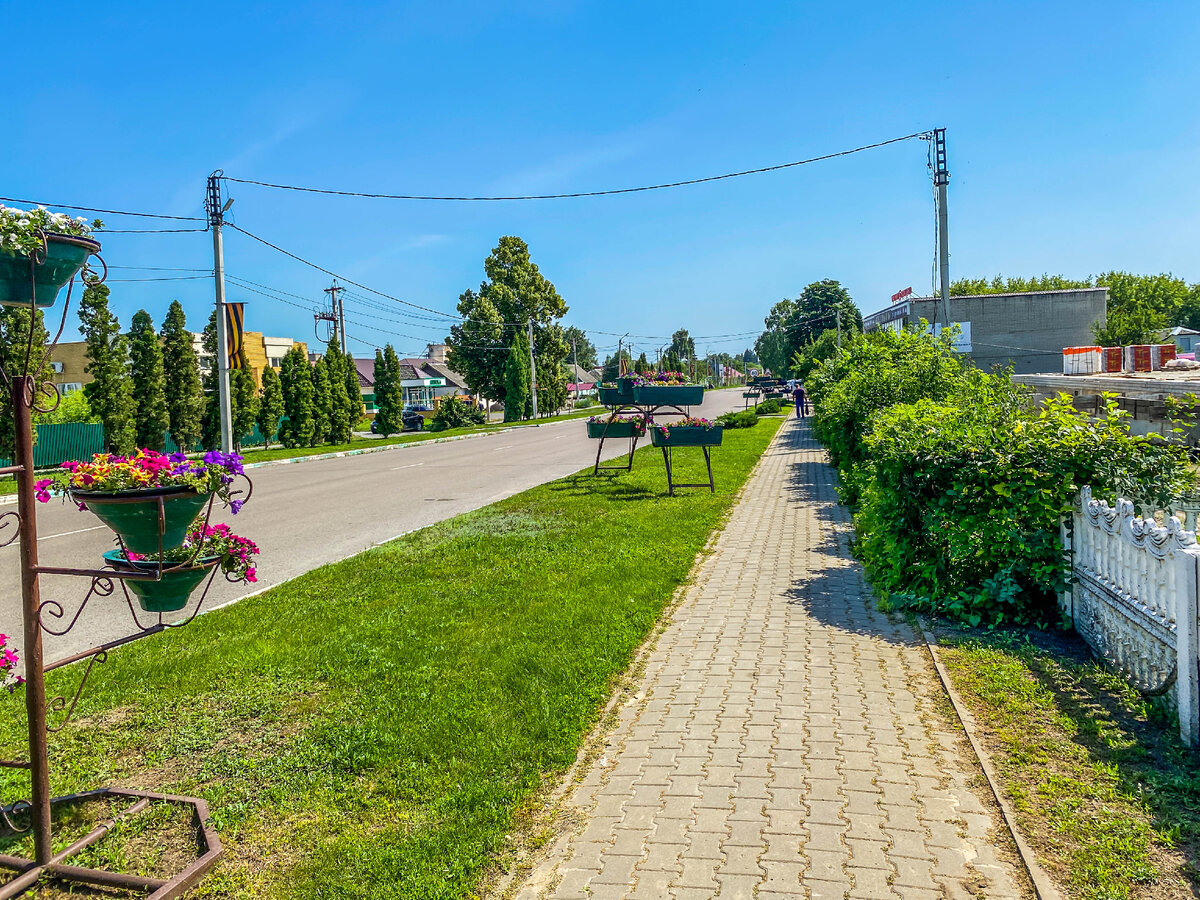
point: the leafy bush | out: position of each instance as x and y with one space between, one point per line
746 418
768 408
961 491
585 402
456 413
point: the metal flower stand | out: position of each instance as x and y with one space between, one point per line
28 395
647 413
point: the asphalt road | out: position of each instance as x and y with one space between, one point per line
306 514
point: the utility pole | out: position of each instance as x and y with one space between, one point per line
339 314
216 218
575 360
532 371
941 178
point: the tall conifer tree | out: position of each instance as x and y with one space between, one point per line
181 376
110 393
149 383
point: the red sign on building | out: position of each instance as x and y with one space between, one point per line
900 295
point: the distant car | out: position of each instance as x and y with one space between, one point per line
412 420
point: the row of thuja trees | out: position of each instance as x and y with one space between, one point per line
147 386
959 481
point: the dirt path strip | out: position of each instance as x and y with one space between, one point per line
785 739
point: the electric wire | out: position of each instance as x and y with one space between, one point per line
576 194
109 212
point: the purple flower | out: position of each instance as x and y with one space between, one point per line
235 506
178 457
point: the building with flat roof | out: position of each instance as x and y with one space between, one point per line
1025 330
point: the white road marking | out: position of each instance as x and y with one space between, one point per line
409 466
46 537
505 447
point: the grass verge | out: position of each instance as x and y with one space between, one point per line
375 727
1105 792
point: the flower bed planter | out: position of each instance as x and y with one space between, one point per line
686 436
65 256
172 591
674 395
750 395
625 383
611 396
615 429
133 515
774 395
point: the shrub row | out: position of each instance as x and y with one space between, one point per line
960 482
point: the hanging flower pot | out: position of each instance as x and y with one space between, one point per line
172 591
614 396
58 245
601 427
133 515
668 394
130 494
688 433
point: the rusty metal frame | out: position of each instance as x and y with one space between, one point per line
35 815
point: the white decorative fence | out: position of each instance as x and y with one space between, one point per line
1133 598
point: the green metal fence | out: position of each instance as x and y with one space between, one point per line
77 440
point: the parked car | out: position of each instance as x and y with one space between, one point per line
411 419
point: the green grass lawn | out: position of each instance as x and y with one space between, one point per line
375 728
1104 790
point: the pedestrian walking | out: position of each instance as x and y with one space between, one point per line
801 401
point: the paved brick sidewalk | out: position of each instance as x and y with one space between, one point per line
787 740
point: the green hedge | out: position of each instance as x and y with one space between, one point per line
960 481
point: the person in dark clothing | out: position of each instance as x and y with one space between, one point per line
801 401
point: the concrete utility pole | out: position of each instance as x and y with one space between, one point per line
532 371
216 218
575 359
339 314
941 178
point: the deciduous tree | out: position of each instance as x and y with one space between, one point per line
514 294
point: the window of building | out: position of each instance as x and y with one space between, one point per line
56 368
275 362
70 387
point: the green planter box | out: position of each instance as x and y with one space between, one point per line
172 591
615 397
686 436
625 383
65 255
615 430
751 395
774 395
676 395
133 515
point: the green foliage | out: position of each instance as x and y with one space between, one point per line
343 412
243 398
582 346
514 294
641 365
150 417
961 482
110 393
297 386
389 393
682 347
454 412
210 423
1140 307
746 418
519 402
793 324
181 379
768 408
823 347
270 405
322 402
14 339
72 408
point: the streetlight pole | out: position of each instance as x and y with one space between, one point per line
532 371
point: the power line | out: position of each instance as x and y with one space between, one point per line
164 278
110 212
330 272
604 193
151 230
161 269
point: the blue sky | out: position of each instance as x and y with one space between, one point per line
1072 132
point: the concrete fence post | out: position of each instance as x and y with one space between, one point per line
1187 652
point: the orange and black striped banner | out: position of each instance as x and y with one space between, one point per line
235 316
